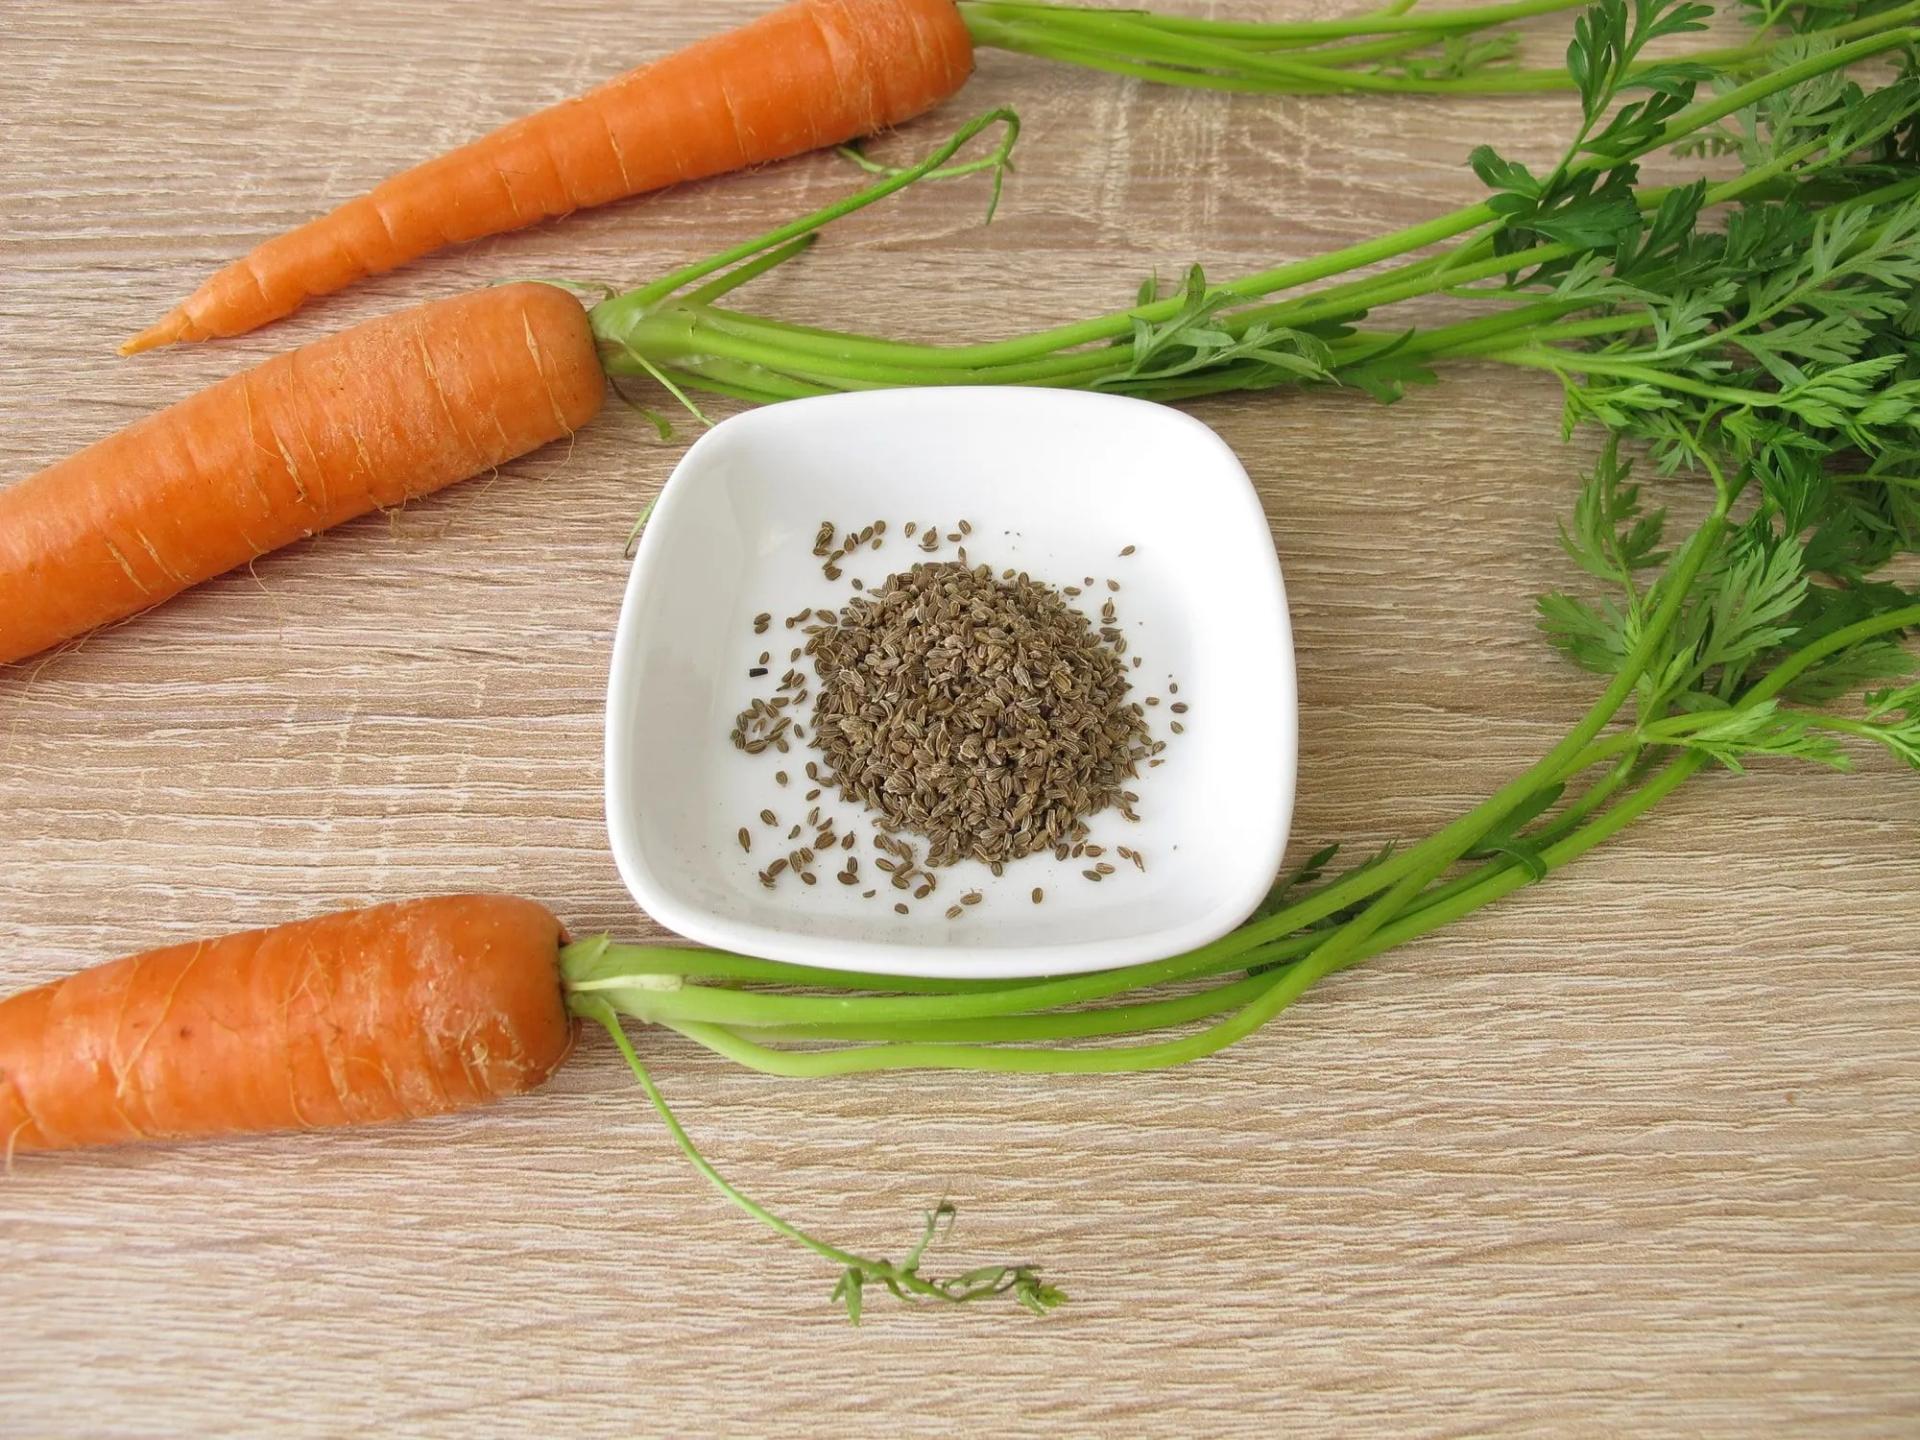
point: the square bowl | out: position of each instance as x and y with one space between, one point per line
1056 483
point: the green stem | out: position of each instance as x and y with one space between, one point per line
1205 63
1140 1016
903 1280
1791 669
1441 22
637 300
604 1014
598 958
1582 362
814 1064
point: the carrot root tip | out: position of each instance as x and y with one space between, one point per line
153 337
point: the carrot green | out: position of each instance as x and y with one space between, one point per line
1395 50
1756 334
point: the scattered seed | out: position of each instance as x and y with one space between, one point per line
923 892
900 906
845 879
1179 707
1172 689
813 794
767 817
777 866
1177 728
1139 860
912 526
779 777
1153 699
756 672
954 912
1104 868
868 894
766 880
794 833
1125 551
761 621
972 897
807 877
1093 875
1113 585
746 840
1038 894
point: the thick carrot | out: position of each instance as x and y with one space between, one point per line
812 73
356 1018
369 418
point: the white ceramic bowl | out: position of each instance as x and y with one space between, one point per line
1055 483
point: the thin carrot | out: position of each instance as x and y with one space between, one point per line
355 1018
810 74
372 417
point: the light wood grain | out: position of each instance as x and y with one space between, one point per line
1637 1151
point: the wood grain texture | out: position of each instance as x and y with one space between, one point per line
1635 1151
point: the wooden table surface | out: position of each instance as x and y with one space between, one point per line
1637 1150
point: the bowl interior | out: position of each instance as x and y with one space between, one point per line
1054 483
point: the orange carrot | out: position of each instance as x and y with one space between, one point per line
356 1018
372 417
813 73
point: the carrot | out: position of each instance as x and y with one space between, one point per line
355 1018
810 74
376 415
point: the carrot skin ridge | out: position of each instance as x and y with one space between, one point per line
367 419
808 75
361 1017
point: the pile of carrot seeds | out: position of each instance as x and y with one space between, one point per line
972 716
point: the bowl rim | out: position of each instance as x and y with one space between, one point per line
958 959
